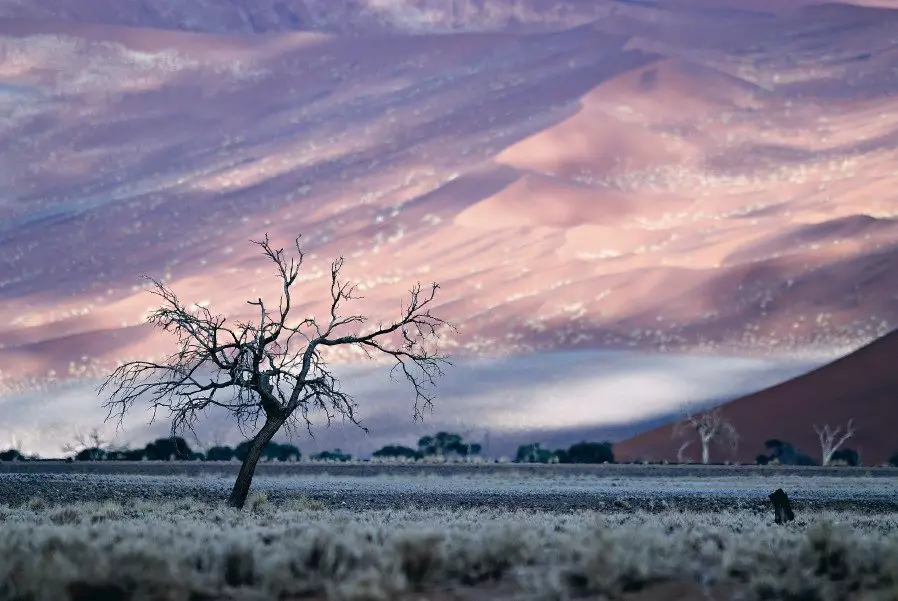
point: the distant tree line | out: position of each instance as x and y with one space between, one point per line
581 452
440 445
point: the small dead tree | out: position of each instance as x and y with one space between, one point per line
710 426
275 365
93 443
828 442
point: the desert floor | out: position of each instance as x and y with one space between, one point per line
124 531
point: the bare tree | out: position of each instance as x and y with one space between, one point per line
681 458
275 365
92 442
828 442
710 426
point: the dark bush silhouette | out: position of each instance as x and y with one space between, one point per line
220 454
784 453
272 451
11 455
335 455
125 455
762 459
282 452
92 454
166 449
590 452
849 456
893 459
446 443
581 452
392 450
532 453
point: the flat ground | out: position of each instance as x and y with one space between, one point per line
123 531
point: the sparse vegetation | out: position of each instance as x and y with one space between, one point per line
783 453
581 452
393 451
271 551
335 455
443 444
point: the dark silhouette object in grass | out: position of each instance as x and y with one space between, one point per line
782 508
275 363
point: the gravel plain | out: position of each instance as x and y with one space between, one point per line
547 488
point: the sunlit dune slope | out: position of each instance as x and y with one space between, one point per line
667 177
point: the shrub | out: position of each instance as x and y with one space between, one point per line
393 450
762 459
532 453
845 457
591 452
893 459
11 455
335 455
220 454
92 454
273 451
166 449
446 443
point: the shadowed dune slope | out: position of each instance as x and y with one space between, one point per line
862 386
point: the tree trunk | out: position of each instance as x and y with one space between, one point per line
248 467
705 455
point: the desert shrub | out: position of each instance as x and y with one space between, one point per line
845 457
783 453
446 443
532 453
92 454
166 449
224 453
36 505
11 455
335 455
893 459
258 502
273 451
590 452
126 455
393 450
762 459
66 516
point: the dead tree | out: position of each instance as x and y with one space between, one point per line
93 444
710 426
828 442
274 368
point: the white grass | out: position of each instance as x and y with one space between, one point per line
177 549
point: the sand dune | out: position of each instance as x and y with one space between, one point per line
680 176
862 387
